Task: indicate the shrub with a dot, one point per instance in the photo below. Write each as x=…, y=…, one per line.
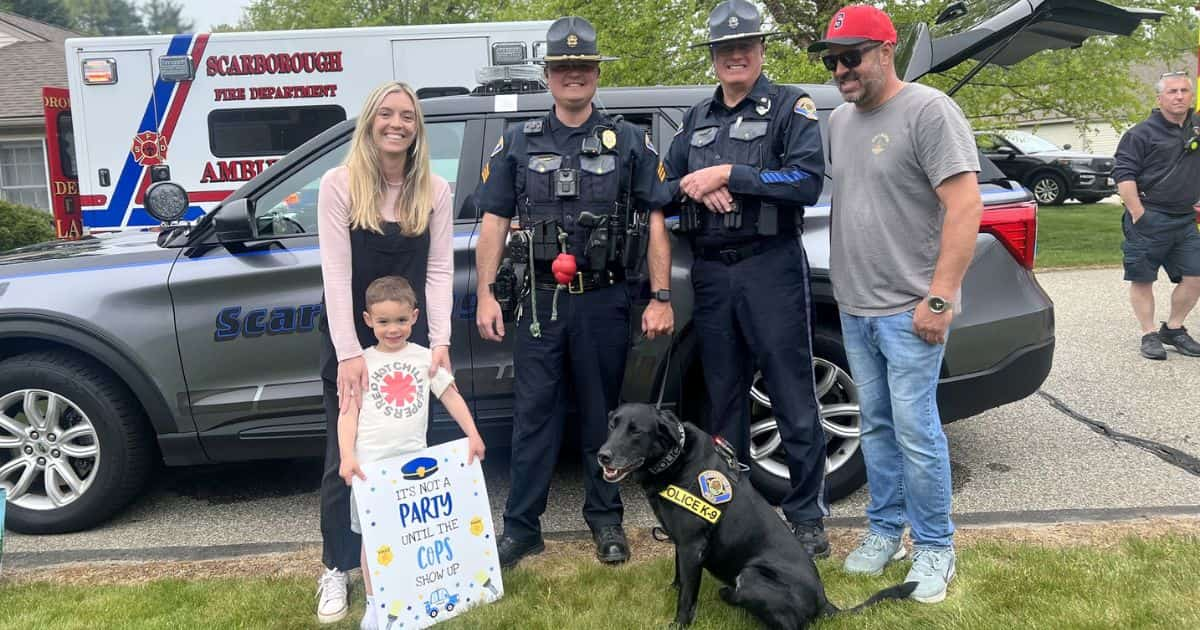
x=22, y=225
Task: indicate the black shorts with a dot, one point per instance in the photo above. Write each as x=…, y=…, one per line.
x=1158, y=239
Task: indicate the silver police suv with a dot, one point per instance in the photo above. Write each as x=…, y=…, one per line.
x=199, y=344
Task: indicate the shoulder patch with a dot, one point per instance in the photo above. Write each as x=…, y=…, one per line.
x=650, y=144
x=806, y=107
x=533, y=127
x=499, y=146
x=715, y=487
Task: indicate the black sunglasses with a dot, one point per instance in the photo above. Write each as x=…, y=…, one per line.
x=850, y=59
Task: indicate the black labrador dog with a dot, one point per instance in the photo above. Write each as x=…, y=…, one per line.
x=718, y=521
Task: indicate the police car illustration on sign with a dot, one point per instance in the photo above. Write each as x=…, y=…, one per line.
x=441, y=599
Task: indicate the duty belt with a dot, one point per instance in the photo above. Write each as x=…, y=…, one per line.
x=582, y=281
x=733, y=254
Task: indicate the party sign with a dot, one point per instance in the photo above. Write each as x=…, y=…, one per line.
x=427, y=528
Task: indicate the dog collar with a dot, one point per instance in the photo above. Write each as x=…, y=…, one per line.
x=672, y=454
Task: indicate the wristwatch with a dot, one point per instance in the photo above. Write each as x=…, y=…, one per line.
x=938, y=304
x=662, y=295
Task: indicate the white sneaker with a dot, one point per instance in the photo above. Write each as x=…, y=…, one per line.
x=332, y=603
x=369, y=620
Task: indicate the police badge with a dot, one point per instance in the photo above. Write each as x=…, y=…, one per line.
x=715, y=487
x=608, y=138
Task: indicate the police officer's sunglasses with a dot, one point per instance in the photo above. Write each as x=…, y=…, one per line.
x=851, y=59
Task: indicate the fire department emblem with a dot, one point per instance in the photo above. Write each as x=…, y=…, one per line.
x=149, y=148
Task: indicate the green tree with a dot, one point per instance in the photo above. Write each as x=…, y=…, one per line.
x=271, y=15
x=165, y=16
x=106, y=17
x=48, y=11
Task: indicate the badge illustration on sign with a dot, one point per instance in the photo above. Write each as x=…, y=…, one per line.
x=427, y=520
x=715, y=487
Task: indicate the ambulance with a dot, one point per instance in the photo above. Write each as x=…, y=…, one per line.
x=210, y=111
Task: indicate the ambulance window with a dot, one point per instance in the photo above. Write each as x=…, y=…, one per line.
x=268, y=130
x=66, y=145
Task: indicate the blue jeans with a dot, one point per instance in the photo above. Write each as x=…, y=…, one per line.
x=908, y=462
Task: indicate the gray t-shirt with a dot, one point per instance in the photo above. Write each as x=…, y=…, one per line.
x=886, y=217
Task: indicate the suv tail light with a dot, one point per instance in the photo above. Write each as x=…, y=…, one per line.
x=1015, y=226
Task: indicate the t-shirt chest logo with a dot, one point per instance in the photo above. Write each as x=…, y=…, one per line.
x=879, y=143
x=396, y=389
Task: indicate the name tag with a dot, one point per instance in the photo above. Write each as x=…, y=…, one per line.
x=691, y=503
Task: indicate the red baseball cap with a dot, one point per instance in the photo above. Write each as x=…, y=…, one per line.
x=855, y=24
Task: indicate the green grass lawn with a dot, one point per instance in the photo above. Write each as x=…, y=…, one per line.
x=1079, y=235
x=1129, y=584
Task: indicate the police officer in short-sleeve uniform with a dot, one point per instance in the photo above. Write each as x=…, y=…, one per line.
x=569, y=178
x=746, y=162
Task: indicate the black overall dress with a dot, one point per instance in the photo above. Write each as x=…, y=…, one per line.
x=372, y=256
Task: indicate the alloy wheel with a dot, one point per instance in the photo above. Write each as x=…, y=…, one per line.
x=838, y=407
x=49, y=450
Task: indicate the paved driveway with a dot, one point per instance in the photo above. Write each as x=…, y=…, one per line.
x=1110, y=431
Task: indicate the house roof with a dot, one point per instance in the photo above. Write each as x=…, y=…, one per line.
x=26, y=29
x=26, y=68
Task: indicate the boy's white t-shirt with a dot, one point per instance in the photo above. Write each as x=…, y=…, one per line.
x=395, y=408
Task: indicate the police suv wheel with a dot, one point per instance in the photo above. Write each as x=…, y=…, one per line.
x=838, y=401
x=1049, y=189
x=74, y=445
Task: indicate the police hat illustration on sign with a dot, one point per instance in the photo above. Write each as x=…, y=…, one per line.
x=419, y=468
x=571, y=39
x=732, y=20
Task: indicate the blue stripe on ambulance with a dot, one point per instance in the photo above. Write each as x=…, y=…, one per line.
x=119, y=213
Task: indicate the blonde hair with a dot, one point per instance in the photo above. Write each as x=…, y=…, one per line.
x=367, y=185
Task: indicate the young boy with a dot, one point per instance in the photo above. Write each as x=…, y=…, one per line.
x=395, y=408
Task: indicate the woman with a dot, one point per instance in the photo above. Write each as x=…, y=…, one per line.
x=382, y=212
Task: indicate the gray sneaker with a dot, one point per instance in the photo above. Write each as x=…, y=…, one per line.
x=873, y=555
x=932, y=570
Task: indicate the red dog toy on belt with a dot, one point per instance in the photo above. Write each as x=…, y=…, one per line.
x=564, y=268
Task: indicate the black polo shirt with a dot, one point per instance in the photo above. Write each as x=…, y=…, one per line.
x=1152, y=154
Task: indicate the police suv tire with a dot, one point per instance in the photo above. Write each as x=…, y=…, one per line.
x=1048, y=188
x=852, y=474
x=126, y=445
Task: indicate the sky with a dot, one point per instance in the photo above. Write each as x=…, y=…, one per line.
x=209, y=13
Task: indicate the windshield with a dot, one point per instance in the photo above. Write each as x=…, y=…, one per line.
x=1029, y=143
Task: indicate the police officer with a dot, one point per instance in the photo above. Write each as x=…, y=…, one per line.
x=746, y=162
x=1157, y=169
x=570, y=177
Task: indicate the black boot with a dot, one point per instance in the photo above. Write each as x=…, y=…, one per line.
x=611, y=546
x=1152, y=347
x=511, y=550
x=811, y=535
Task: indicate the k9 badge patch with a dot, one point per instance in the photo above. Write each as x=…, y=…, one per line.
x=715, y=487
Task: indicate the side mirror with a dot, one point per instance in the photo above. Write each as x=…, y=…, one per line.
x=234, y=222
x=166, y=201
x=1007, y=151
x=1066, y=147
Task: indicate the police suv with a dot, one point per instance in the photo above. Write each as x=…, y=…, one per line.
x=198, y=343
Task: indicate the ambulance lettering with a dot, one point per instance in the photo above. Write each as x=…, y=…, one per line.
x=275, y=63
x=234, y=170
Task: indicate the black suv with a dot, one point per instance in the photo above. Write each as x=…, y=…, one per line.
x=198, y=344
x=1053, y=174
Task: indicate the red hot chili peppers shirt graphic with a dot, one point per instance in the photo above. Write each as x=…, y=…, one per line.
x=398, y=390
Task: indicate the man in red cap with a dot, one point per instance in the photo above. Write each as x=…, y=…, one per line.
x=905, y=214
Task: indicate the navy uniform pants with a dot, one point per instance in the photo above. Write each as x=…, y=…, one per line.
x=583, y=352
x=756, y=313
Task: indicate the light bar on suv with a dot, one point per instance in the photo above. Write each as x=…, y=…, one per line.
x=509, y=79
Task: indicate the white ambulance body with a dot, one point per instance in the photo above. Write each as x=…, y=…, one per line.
x=219, y=108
